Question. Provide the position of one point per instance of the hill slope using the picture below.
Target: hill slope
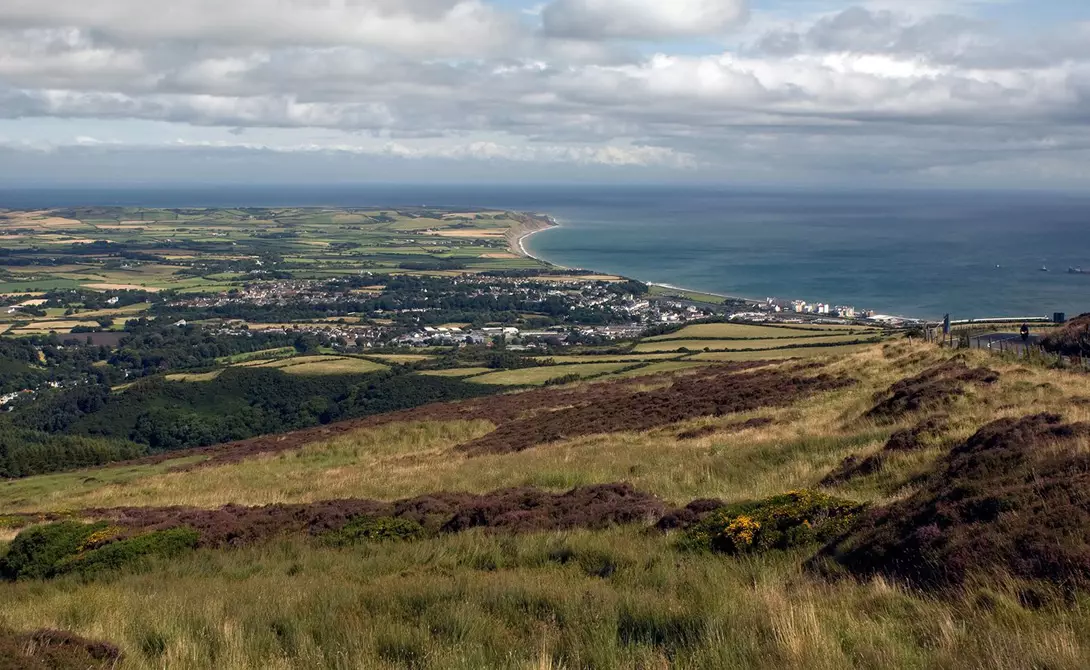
(898, 506)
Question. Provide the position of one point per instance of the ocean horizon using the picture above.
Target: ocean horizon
(911, 253)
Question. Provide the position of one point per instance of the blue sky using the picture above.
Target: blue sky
(886, 92)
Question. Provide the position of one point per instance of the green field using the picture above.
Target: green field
(741, 331)
(457, 372)
(746, 345)
(535, 376)
(339, 366)
(656, 368)
(778, 354)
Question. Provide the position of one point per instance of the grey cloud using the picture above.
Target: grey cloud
(641, 19)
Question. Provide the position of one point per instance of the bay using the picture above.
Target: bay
(911, 253)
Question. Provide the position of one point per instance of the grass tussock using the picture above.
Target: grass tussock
(618, 599)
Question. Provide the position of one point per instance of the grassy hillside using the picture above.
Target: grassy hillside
(886, 505)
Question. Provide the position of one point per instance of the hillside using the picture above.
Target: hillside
(872, 505)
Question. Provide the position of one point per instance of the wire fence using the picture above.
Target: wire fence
(1011, 347)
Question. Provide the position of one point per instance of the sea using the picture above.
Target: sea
(919, 254)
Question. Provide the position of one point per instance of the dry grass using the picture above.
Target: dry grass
(456, 372)
(476, 601)
(533, 376)
(201, 377)
(778, 354)
(343, 366)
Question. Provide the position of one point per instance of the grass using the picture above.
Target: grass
(607, 358)
(479, 601)
(281, 352)
(656, 368)
(456, 372)
(745, 345)
(402, 358)
(777, 354)
(622, 598)
(196, 377)
(57, 492)
(740, 331)
(536, 376)
(340, 366)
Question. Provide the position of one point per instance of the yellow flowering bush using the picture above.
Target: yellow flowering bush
(100, 537)
(796, 518)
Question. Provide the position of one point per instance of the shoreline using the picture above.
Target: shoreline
(537, 223)
(534, 224)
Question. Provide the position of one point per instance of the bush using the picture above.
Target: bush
(791, 520)
(48, 551)
(123, 553)
(369, 529)
(36, 552)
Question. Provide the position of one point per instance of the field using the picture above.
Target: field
(530, 376)
(746, 345)
(741, 331)
(573, 592)
(457, 372)
(777, 354)
(195, 251)
(317, 365)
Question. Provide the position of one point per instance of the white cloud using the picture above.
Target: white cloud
(862, 90)
(641, 19)
(429, 28)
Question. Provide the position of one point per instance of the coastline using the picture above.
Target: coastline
(531, 225)
(536, 223)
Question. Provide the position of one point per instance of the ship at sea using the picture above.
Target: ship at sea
(1077, 271)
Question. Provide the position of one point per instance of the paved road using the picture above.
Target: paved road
(1004, 341)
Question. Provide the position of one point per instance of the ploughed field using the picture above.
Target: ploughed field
(894, 505)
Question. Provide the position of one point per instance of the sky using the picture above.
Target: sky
(951, 93)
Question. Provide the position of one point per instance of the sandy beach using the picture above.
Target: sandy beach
(534, 224)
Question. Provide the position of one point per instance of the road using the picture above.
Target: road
(1004, 341)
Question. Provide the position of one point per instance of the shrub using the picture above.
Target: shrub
(791, 520)
(122, 553)
(370, 529)
(36, 552)
(54, 650)
(47, 551)
(1009, 501)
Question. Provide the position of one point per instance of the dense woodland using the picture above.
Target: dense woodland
(89, 424)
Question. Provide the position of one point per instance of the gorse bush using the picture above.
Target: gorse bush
(123, 553)
(37, 552)
(795, 519)
(43, 552)
(369, 529)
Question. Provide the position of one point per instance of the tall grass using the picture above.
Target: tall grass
(618, 599)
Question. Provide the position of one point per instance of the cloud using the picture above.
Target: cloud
(855, 92)
(641, 19)
(430, 28)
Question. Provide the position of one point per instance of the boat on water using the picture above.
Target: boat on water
(1077, 271)
(1044, 268)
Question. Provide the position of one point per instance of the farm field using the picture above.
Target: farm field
(532, 376)
(197, 251)
(457, 372)
(745, 345)
(741, 331)
(777, 354)
(338, 366)
(657, 368)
